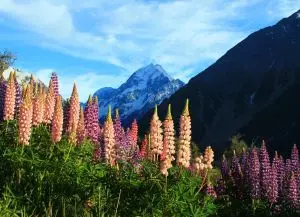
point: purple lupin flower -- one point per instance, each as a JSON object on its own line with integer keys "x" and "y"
{"x": 97, "y": 154}
{"x": 96, "y": 108}
{"x": 254, "y": 174}
{"x": 136, "y": 154}
{"x": 265, "y": 169}
{"x": 124, "y": 148}
{"x": 100, "y": 138}
{"x": 288, "y": 167}
{"x": 273, "y": 187}
{"x": 96, "y": 119}
{"x": 295, "y": 159}
{"x": 225, "y": 168}
{"x": 237, "y": 175}
{"x": 18, "y": 96}
{"x": 130, "y": 140}
{"x": 220, "y": 187}
{"x": 66, "y": 112}
{"x": 292, "y": 196}
{"x": 2, "y": 95}
{"x": 244, "y": 166}
{"x": 91, "y": 121}
{"x": 118, "y": 130}
{"x": 55, "y": 84}
{"x": 280, "y": 174}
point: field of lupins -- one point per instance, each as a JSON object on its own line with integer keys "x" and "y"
{"x": 58, "y": 160}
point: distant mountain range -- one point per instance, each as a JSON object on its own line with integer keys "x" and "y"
{"x": 253, "y": 89}
{"x": 144, "y": 88}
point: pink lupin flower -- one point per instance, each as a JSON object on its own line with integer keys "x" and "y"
{"x": 169, "y": 134}
{"x": 165, "y": 164}
{"x": 295, "y": 159}
{"x": 210, "y": 191}
{"x": 144, "y": 148}
{"x": 184, "y": 151}
{"x": 134, "y": 132}
{"x": 254, "y": 174}
{"x": 10, "y": 98}
{"x": 25, "y": 119}
{"x": 49, "y": 104}
{"x": 199, "y": 167}
{"x": 38, "y": 107}
{"x": 156, "y": 142}
{"x": 74, "y": 112}
{"x": 81, "y": 127}
{"x": 57, "y": 121}
{"x": 169, "y": 148}
{"x": 292, "y": 196}
{"x": 109, "y": 140}
{"x": 265, "y": 169}
{"x": 208, "y": 157}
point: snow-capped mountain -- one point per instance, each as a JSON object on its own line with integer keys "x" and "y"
{"x": 144, "y": 88}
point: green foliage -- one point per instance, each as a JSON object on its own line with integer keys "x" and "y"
{"x": 195, "y": 150}
{"x": 48, "y": 179}
{"x": 6, "y": 60}
{"x": 238, "y": 145}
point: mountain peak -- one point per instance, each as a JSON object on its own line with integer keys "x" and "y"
{"x": 146, "y": 87}
{"x": 294, "y": 18}
{"x": 151, "y": 71}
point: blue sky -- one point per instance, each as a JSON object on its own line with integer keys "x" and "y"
{"x": 98, "y": 43}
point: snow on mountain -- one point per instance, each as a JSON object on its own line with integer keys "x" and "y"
{"x": 105, "y": 92}
{"x": 146, "y": 87}
{"x": 21, "y": 75}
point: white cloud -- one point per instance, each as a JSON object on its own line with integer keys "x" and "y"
{"x": 176, "y": 34}
{"x": 131, "y": 33}
{"x": 51, "y": 21}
